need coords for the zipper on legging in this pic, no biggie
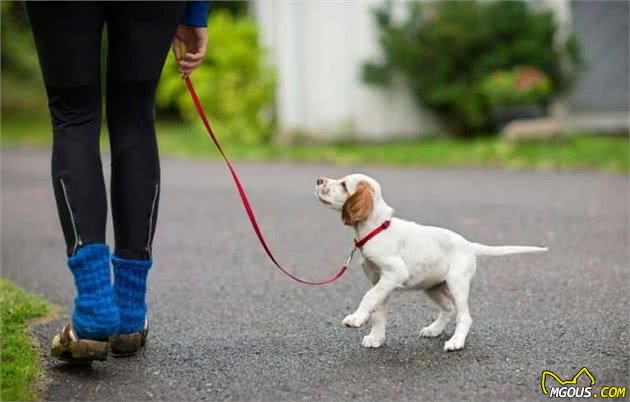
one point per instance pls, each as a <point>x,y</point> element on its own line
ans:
<point>77,240</point>
<point>149,235</point>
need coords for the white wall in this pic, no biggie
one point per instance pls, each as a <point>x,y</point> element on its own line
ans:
<point>318,48</point>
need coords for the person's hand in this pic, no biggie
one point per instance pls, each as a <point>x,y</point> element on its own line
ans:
<point>189,48</point>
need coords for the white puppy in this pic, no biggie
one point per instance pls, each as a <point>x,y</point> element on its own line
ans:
<point>406,255</point>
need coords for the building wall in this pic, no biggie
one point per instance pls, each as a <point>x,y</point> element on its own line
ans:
<point>602,29</point>
<point>318,48</point>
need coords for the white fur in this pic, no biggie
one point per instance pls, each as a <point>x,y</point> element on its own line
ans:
<point>411,256</point>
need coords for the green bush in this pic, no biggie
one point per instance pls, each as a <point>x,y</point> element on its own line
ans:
<point>517,87</point>
<point>446,49</point>
<point>234,84</point>
<point>18,55</point>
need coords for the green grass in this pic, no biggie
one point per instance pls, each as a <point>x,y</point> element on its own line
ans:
<point>20,366</point>
<point>595,152</point>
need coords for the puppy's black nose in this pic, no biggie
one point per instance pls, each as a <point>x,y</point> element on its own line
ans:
<point>320,181</point>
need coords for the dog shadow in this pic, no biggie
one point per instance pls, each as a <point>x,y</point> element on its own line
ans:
<point>415,352</point>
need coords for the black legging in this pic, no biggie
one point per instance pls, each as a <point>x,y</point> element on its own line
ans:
<point>68,40</point>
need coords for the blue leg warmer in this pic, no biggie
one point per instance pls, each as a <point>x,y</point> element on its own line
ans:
<point>130,287</point>
<point>95,314</point>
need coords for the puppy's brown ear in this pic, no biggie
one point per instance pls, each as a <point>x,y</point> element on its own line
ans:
<point>359,205</point>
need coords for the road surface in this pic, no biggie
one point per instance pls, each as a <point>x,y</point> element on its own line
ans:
<point>227,325</point>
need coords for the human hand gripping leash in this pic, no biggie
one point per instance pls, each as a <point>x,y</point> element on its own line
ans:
<point>245,199</point>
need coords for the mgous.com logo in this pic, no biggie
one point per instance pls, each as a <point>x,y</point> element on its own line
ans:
<point>570,389</point>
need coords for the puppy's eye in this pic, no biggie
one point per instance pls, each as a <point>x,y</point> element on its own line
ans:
<point>345,188</point>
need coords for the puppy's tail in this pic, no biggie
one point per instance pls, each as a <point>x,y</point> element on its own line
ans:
<point>482,249</point>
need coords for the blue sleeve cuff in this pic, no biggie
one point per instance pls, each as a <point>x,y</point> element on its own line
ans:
<point>196,14</point>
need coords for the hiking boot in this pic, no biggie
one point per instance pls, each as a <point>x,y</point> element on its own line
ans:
<point>67,346</point>
<point>123,345</point>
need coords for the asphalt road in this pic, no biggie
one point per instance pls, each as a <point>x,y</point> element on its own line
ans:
<point>226,325</point>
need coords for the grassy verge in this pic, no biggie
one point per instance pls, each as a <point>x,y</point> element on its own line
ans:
<point>596,152</point>
<point>20,360</point>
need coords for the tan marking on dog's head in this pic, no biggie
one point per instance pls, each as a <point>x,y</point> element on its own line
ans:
<point>359,205</point>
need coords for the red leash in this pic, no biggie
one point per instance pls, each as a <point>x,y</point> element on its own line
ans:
<point>245,200</point>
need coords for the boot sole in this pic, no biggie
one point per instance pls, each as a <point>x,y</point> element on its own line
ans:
<point>79,351</point>
<point>129,344</point>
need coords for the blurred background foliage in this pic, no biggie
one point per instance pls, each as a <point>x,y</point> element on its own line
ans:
<point>17,50</point>
<point>235,84</point>
<point>446,50</point>
<point>519,86</point>
<point>22,89</point>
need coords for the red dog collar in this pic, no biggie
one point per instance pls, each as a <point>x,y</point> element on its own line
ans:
<point>369,236</point>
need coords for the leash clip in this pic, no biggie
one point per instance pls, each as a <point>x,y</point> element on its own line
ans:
<point>349,260</point>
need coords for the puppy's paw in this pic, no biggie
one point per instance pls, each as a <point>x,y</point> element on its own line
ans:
<point>455,343</point>
<point>373,341</point>
<point>355,320</point>
<point>430,332</point>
